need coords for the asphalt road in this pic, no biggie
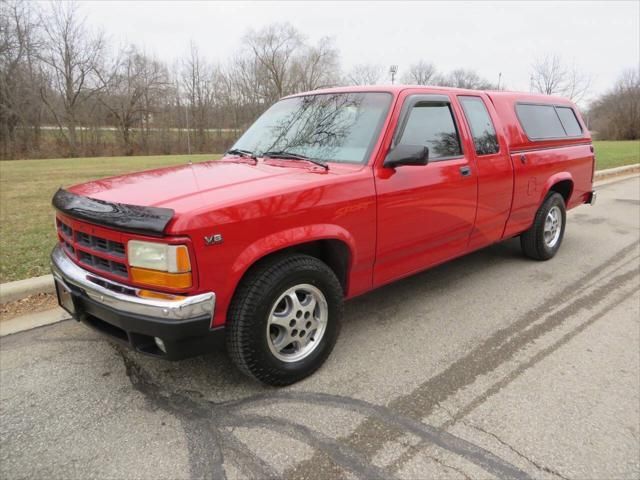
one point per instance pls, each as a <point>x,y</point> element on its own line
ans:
<point>491,366</point>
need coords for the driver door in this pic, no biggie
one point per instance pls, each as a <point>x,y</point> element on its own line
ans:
<point>425,213</point>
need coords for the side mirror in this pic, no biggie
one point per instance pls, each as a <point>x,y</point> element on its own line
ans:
<point>407,155</point>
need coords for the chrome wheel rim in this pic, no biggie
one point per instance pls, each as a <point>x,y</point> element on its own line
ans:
<point>552,227</point>
<point>297,322</point>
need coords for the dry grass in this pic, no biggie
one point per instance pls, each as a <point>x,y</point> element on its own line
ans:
<point>39,302</point>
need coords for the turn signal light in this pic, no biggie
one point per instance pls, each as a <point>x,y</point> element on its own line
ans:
<point>159,295</point>
<point>182,259</point>
<point>156,278</point>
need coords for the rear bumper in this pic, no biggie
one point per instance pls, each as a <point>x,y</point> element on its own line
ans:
<point>591,198</point>
<point>119,311</point>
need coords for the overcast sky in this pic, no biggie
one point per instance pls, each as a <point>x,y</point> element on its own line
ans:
<point>601,38</point>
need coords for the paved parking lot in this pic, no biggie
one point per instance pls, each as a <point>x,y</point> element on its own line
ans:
<point>491,366</point>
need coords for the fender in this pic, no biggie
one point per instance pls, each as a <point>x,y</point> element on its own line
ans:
<point>289,238</point>
<point>551,181</point>
<point>273,243</point>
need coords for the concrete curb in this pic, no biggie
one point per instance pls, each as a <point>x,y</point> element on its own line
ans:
<point>23,288</point>
<point>614,179</point>
<point>32,320</point>
<point>613,172</point>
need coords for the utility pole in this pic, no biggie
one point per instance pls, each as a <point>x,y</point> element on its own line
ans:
<point>499,79</point>
<point>393,70</point>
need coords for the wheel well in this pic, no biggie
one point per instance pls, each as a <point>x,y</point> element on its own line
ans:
<point>335,253</point>
<point>564,188</point>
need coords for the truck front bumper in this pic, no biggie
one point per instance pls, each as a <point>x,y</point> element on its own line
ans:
<point>171,328</point>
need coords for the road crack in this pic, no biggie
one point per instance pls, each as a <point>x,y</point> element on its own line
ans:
<point>516,451</point>
<point>450,467</point>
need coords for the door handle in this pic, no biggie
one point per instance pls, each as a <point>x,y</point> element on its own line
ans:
<point>465,171</point>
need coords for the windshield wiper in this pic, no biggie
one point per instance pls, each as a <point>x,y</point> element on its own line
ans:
<point>294,156</point>
<point>242,153</point>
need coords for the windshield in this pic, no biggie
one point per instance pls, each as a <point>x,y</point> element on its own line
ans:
<point>336,127</point>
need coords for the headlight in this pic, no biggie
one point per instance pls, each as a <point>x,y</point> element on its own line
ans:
<point>159,256</point>
<point>159,264</point>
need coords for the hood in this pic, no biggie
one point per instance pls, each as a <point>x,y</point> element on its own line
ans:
<point>169,187</point>
<point>212,184</point>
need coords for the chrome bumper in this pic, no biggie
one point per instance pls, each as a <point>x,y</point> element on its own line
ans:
<point>592,198</point>
<point>127,299</point>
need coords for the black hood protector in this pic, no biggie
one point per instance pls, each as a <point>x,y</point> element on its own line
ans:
<point>129,218</point>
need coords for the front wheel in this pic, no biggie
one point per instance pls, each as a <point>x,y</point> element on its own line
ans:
<point>542,241</point>
<point>284,319</point>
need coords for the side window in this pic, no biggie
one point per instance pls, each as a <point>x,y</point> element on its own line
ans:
<point>431,124</point>
<point>569,121</point>
<point>540,121</point>
<point>484,134</point>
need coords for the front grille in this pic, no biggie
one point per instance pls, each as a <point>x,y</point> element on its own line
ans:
<point>103,264</point>
<point>100,244</point>
<point>66,229</point>
<point>69,247</point>
<point>93,251</point>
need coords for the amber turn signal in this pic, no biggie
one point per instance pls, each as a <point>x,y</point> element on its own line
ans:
<point>183,263</point>
<point>159,295</point>
<point>156,278</point>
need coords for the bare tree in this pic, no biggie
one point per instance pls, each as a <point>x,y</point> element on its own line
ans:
<point>421,73</point>
<point>128,88</point>
<point>317,66</point>
<point>246,89</point>
<point>550,76</point>
<point>616,114</point>
<point>274,48</point>
<point>365,74</point>
<point>197,84</point>
<point>70,56</point>
<point>20,81</point>
<point>464,78</point>
<point>156,89</point>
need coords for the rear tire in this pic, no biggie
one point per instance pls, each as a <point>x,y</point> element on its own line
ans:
<point>542,241</point>
<point>284,319</point>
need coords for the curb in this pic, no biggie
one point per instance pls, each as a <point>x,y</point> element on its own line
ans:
<point>613,172</point>
<point>599,183</point>
<point>32,320</point>
<point>23,288</point>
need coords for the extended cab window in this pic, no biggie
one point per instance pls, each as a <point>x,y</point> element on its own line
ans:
<point>432,124</point>
<point>542,122</point>
<point>569,121</point>
<point>484,134</point>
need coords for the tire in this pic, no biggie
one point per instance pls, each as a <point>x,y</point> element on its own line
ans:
<point>542,241</point>
<point>263,306</point>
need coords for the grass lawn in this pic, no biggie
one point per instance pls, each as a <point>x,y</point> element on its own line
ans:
<point>26,214</point>
<point>26,187</point>
<point>611,154</point>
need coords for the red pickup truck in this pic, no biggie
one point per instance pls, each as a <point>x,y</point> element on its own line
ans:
<point>328,195</point>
